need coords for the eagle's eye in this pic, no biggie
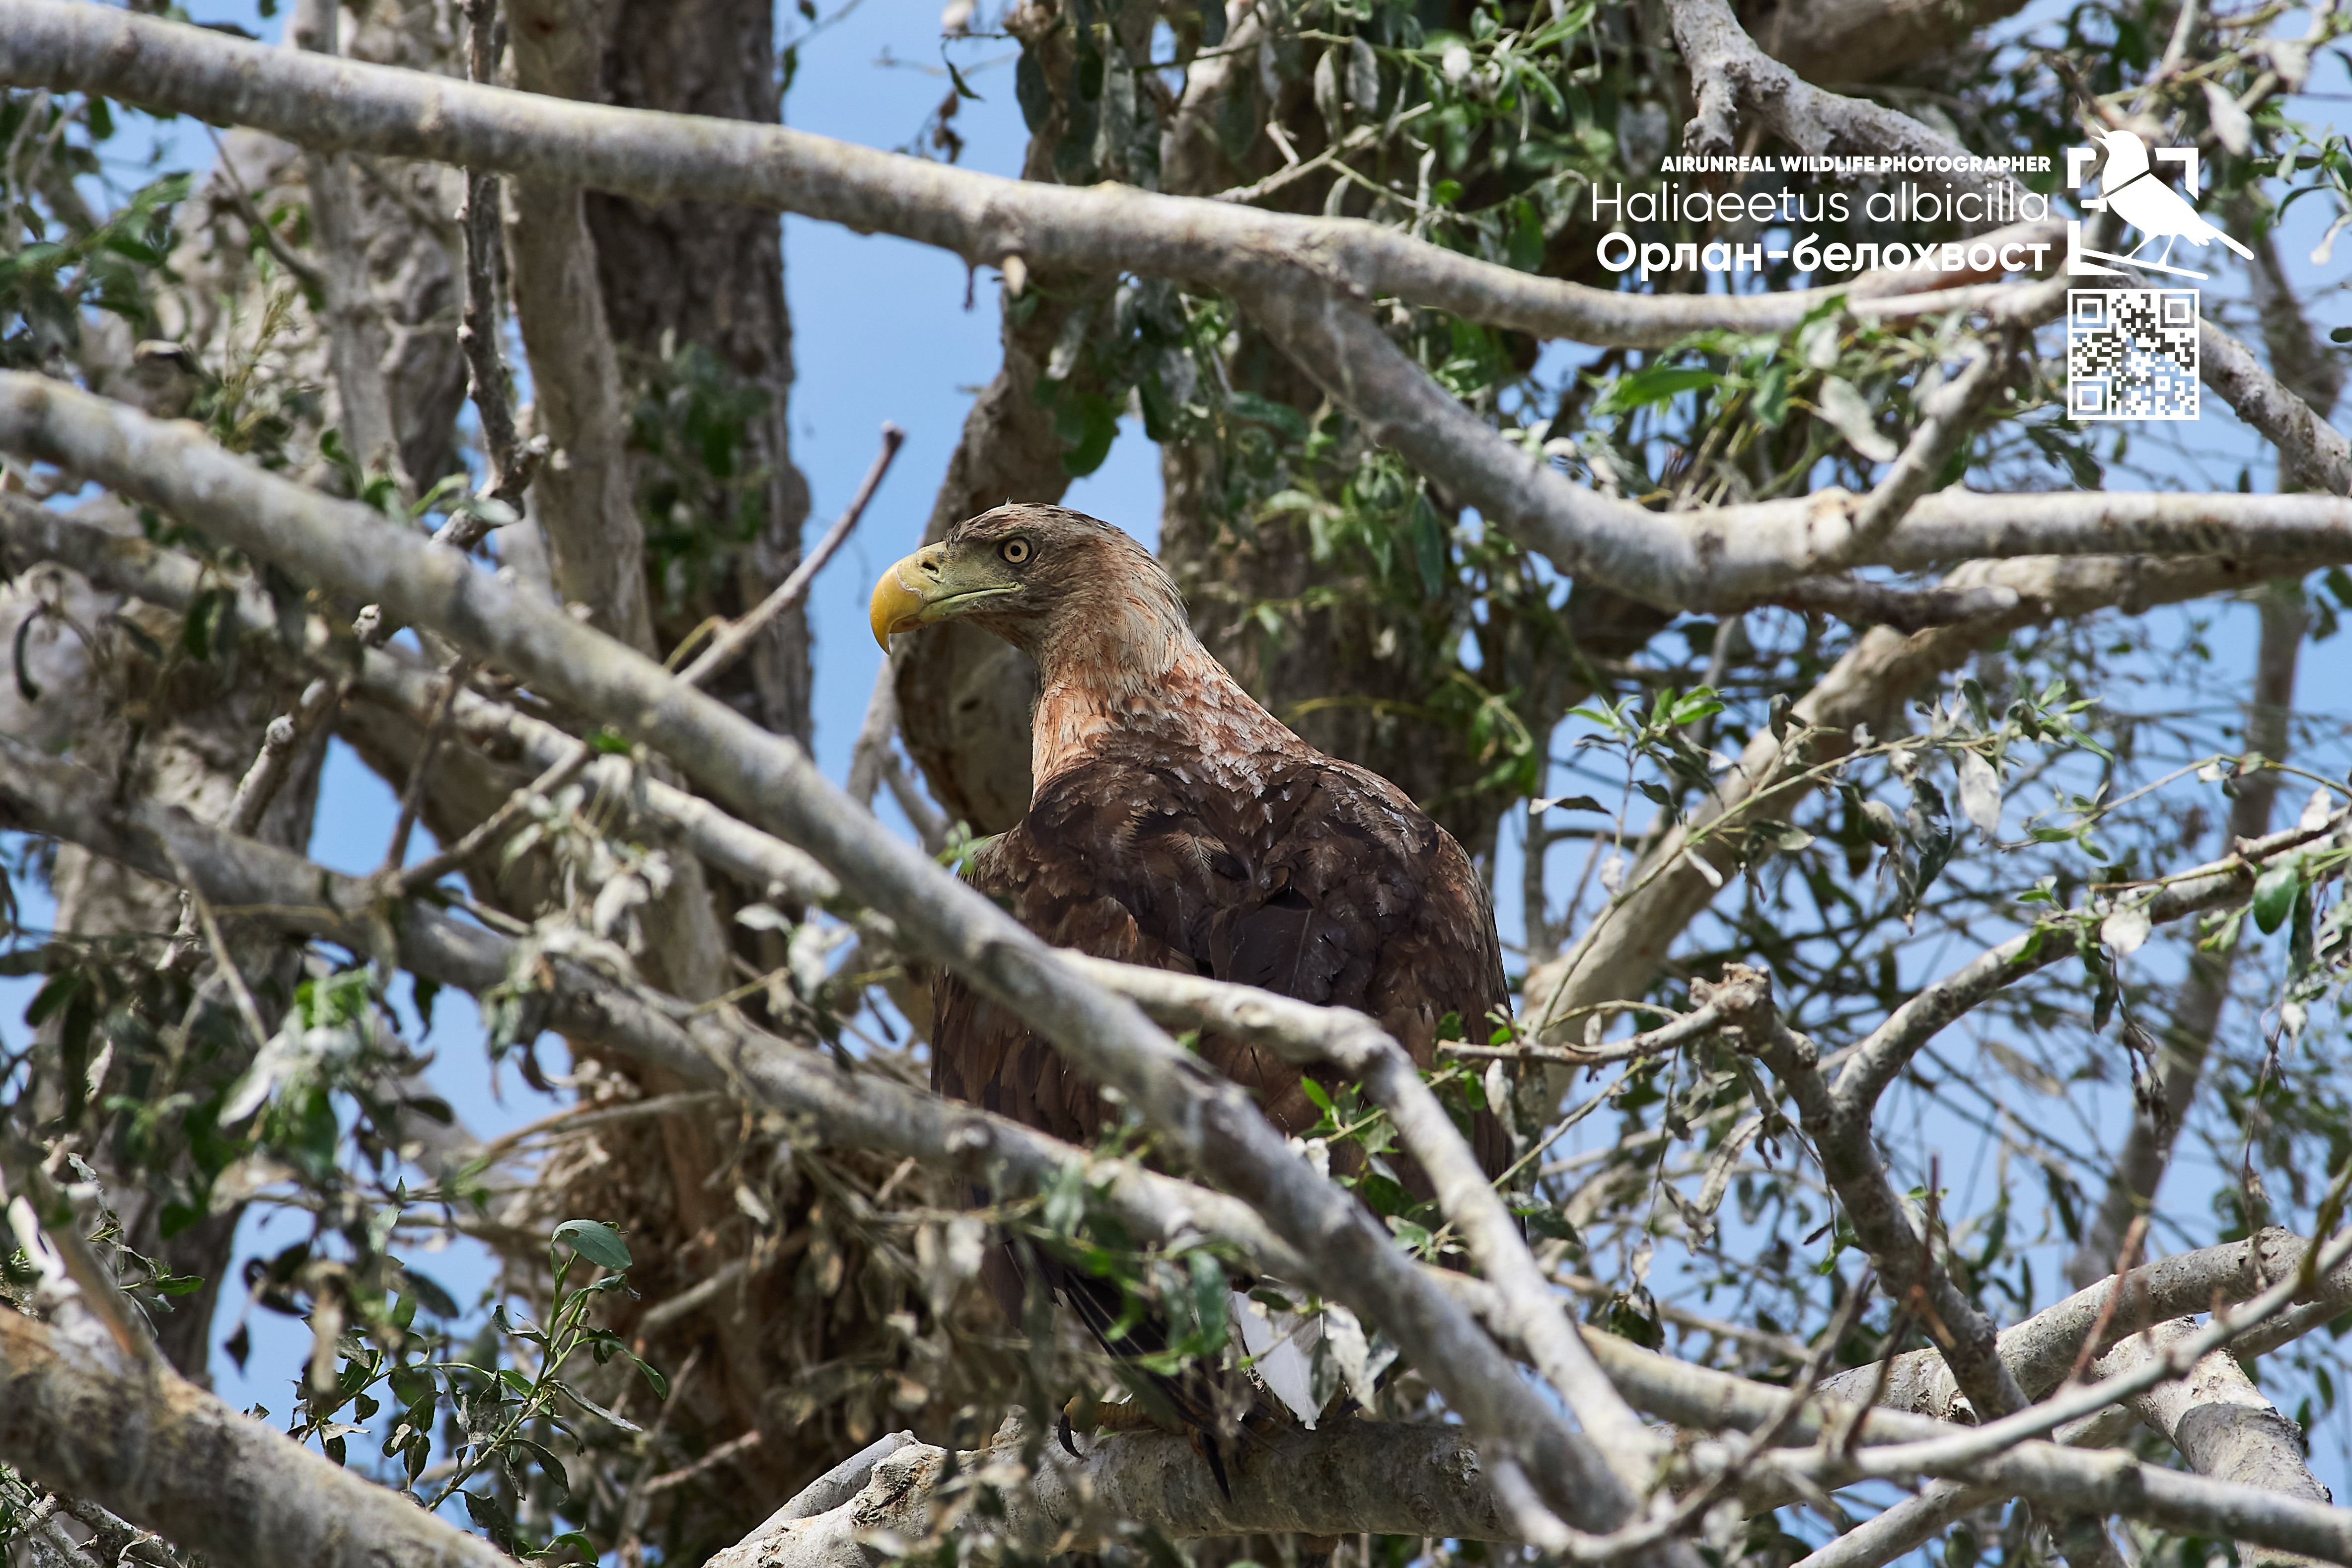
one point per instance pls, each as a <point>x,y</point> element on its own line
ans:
<point>1015,551</point>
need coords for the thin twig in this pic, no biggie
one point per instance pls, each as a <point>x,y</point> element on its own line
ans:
<point>437,730</point>
<point>2127,1260</point>
<point>1691,1026</point>
<point>728,643</point>
<point>210,925</point>
<point>100,1291</point>
<point>425,873</point>
<point>708,1462</point>
<point>307,274</point>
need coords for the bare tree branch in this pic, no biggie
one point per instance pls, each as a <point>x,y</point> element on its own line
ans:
<point>162,1453</point>
<point>1211,1124</point>
<point>2187,1035</point>
<point>1345,1477</point>
<point>1530,1311</point>
<point>2226,1429</point>
<point>983,218</point>
<point>712,1048</point>
<point>1734,79</point>
<point>730,640</point>
<point>1300,283</point>
<point>355,334</point>
<point>595,543</point>
<point>1620,950</point>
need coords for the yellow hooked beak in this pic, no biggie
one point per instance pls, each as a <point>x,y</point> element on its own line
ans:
<point>929,585</point>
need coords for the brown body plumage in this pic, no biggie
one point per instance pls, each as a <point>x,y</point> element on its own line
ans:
<point>1176,823</point>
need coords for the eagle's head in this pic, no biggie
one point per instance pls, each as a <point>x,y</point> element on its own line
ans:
<point>1046,580</point>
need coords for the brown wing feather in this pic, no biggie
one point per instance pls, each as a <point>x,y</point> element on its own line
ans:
<point>1302,874</point>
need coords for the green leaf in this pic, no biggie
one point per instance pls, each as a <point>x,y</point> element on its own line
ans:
<point>1428,546</point>
<point>549,1464</point>
<point>1259,410</point>
<point>963,88</point>
<point>2274,893</point>
<point>1086,425</point>
<point>610,743</point>
<point>597,1242</point>
<point>1772,395</point>
<point>1659,384</point>
<point>202,623</point>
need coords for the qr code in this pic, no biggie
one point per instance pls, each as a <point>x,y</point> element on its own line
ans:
<point>2131,354</point>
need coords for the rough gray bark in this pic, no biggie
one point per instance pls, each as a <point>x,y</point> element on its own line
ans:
<point>713,274</point>
<point>164,1454</point>
<point>2226,1429</point>
<point>1833,41</point>
<point>587,502</point>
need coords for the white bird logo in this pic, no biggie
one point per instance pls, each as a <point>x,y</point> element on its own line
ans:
<point>2128,188</point>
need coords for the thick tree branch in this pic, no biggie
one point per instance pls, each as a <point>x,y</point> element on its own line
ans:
<point>1210,1124</point>
<point>2226,1429</point>
<point>595,543</point>
<point>2316,449</point>
<point>1734,79</point>
<point>1345,1477</point>
<point>355,334</point>
<point>1301,282</point>
<point>714,1047</point>
<point>1529,1310</point>
<point>163,1453</point>
<point>2063,1477</point>
<point>1621,949</point>
<point>335,104</point>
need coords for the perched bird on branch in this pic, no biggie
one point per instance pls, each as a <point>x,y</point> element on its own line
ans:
<point>2129,186</point>
<point>1176,823</point>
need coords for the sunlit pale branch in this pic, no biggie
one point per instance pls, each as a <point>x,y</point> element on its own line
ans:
<point>1345,1477</point>
<point>713,1048</point>
<point>2226,1429</point>
<point>1210,1124</point>
<point>1303,291</point>
<point>2040,1350</point>
<point>1529,1311</point>
<point>1866,603</point>
<point>660,158</point>
<point>1737,81</point>
<point>161,1452</point>
<point>2053,1474</point>
<point>2286,421</point>
<point>1873,1064</point>
<point>1621,949</point>
<point>1734,79</point>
